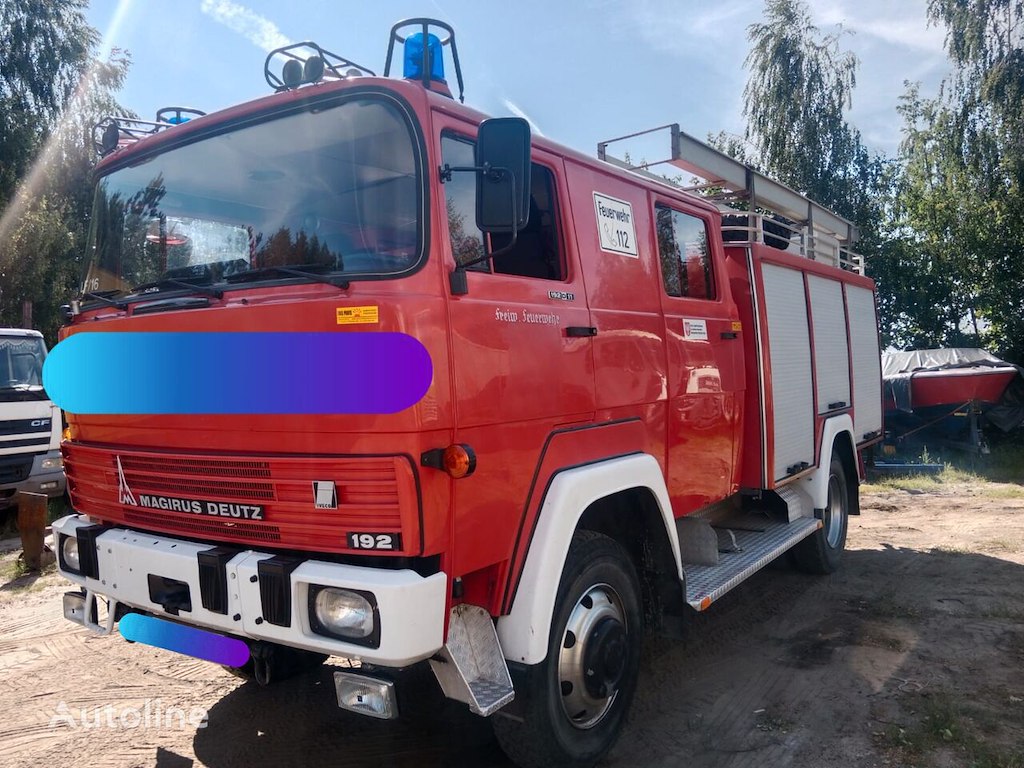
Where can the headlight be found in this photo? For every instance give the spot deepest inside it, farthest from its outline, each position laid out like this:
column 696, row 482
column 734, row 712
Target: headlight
column 345, row 613
column 69, row 549
column 53, row 462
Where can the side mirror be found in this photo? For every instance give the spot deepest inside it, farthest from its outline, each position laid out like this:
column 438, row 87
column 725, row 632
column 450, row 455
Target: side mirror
column 503, row 191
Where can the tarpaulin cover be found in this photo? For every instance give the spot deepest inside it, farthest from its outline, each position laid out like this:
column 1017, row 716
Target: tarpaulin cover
column 899, row 367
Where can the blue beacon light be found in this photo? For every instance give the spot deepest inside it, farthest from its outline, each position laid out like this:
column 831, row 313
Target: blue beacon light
column 413, row 59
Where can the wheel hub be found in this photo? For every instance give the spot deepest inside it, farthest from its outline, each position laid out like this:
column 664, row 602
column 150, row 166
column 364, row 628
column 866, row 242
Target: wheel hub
column 592, row 658
column 604, row 658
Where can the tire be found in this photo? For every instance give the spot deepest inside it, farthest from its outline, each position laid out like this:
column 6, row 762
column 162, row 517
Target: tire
column 822, row 551
column 276, row 663
column 573, row 718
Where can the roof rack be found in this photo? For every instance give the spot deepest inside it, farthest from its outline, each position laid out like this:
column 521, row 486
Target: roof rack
column 307, row 63
column 778, row 216
column 115, row 131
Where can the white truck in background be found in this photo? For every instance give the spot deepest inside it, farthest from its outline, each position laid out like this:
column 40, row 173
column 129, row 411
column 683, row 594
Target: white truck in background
column 30, row 424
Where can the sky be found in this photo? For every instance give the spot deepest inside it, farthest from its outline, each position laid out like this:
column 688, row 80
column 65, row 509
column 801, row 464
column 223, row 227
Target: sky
column 581, row 71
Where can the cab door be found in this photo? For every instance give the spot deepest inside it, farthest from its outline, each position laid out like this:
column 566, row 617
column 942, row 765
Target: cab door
column 705, row 373
column 522, row 357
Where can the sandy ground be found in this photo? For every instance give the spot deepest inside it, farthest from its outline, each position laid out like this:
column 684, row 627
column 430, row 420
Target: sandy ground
column 912, row 654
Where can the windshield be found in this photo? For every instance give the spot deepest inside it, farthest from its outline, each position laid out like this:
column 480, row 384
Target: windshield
column 21, row 367
column 337, row 189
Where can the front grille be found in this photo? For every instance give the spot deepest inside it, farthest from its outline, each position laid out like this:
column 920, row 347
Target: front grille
column 374, row 494
column 237, row 530
column 202, row 489
column 14, row 469
column 180, row 466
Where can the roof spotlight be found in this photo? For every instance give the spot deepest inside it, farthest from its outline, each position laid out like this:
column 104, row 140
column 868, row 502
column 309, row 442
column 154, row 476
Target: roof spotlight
column 313, row 69
column 291, row 73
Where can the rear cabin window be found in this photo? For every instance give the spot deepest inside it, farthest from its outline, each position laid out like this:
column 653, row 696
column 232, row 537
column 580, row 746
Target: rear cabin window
column 535, row 254
column 685, row 256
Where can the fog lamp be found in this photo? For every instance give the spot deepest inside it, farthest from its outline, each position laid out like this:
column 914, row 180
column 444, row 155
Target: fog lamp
column 366, row 695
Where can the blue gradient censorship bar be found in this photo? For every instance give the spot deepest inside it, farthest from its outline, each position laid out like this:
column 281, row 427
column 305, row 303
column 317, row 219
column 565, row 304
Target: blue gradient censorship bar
column 237, row 373
column 179, row 638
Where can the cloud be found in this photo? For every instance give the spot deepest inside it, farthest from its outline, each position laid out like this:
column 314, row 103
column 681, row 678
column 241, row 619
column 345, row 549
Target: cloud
column 671, row 27
column 258, row 30
column 907, row 27
column 516, row 110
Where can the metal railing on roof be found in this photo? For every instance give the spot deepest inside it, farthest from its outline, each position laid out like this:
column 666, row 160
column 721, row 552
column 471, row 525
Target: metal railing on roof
column 755, row 208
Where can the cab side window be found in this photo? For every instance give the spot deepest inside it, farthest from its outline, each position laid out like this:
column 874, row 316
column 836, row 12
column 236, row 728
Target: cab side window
column 685, row 256
column 535, row 253
column 460, row 200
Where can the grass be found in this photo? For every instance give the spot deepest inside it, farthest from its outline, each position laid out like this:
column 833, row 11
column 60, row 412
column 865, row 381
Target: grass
column 1002, row 611
column 886, row 606
column 946, row 723
column 1004, row 465
column 924, row 483
column 11, row 569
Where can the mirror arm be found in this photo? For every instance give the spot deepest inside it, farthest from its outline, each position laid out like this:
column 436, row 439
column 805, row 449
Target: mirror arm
column 457, row 278
column 515, row 230
column 445, row 171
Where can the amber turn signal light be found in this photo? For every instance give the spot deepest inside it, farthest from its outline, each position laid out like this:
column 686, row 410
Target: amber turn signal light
column 459, row 460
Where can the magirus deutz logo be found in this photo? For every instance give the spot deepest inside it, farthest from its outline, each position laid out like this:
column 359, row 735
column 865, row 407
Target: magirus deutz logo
column 188, row 506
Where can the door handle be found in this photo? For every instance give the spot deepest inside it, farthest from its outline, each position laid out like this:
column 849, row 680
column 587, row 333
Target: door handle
column 580, row 331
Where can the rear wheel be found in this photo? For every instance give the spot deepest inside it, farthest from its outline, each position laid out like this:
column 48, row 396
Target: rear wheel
column 581, row 693
column 822, row 551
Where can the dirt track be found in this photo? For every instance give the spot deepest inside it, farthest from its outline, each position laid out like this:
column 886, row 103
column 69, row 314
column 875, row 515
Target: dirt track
column 913, row 654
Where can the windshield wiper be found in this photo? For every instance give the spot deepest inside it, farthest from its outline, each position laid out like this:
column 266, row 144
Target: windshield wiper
column 105, row 298
column 298, row 271
column 205, row 290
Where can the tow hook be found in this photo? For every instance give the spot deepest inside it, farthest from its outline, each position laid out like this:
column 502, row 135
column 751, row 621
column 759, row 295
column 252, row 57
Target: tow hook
column 262, row 662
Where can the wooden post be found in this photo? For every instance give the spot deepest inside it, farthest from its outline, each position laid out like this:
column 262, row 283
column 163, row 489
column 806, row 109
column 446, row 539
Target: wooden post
column 32, row 525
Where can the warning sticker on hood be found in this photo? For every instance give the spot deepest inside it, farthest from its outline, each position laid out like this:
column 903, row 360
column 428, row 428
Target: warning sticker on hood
column 357, row 315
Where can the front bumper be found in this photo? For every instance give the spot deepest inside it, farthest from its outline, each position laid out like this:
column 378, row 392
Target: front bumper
column 410, row 607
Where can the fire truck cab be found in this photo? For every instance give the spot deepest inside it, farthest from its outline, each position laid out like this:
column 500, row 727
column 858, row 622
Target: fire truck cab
column 636, row 403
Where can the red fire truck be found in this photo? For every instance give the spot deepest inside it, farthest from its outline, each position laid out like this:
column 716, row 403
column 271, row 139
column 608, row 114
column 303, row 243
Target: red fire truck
column 641, row 394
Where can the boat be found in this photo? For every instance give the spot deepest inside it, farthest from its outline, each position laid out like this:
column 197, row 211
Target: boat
column 949, row 395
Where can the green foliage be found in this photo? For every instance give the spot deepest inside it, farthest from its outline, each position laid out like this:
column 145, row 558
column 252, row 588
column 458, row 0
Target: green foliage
column 52, row 90
column 45, row 45
column 942, row 225
column 961, row 201
column 795, row 101
column 799, row 89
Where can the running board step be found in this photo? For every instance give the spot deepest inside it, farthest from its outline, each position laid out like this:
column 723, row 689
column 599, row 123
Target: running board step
column 755, row 549
column 470, row 667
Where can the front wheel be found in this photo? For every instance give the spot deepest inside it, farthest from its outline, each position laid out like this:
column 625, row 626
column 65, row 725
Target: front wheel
column 582, row 691
column 821, row 551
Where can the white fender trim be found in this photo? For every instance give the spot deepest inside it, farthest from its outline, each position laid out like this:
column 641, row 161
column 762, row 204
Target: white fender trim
column 524, row 632
column 816, row 483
